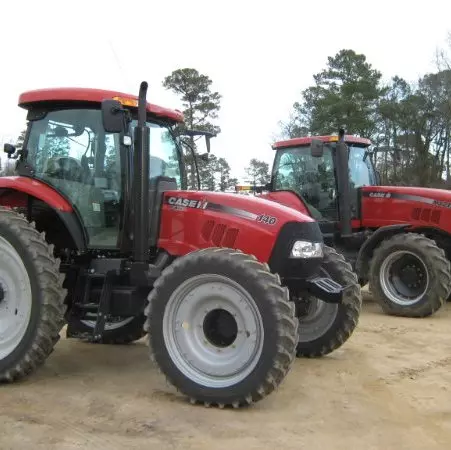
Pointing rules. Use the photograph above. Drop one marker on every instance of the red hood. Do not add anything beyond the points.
(253, 204)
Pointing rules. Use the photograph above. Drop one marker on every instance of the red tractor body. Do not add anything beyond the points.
(96, 233)
(384, 231)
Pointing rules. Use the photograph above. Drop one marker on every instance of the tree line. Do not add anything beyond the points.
(409, 123)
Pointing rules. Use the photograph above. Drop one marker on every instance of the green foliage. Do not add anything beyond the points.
(346, 92)
(413, 118)
(258, 172)
(215, 174)
(200, 108)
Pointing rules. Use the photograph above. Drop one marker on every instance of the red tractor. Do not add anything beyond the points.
(397, 238)
(95, 233)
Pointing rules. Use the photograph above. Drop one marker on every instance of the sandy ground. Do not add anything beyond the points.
(389, 387)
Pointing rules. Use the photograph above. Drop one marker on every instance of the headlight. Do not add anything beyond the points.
(306, 249)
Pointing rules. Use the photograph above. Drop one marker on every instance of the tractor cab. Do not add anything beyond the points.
(67, 148)
(312, 168)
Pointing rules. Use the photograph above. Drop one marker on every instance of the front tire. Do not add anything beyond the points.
(324, 327)
(410, 276)
(221, 327)
(32, 297)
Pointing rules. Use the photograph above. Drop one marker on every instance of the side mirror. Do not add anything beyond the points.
(112, 116)
(9, 149)
(203, 157)
(317, 148)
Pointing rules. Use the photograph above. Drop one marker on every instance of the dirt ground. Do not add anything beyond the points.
(389, 387)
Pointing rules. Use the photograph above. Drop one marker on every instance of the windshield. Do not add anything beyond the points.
(313, 178)
(296, 169)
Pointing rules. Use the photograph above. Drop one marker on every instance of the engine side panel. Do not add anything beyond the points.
(192, 220)
(420, 207)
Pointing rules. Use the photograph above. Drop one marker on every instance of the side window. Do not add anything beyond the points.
(285, 176)
(70, 150)
(164, 158)
(312, 178)
(358, 168)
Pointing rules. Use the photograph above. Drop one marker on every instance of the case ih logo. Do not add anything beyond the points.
(180, 202)
(380, 194)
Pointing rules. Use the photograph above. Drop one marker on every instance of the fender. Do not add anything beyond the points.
(48, 195)
(372, 242)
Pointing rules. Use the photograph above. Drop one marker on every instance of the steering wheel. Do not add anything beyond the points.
(65, 167)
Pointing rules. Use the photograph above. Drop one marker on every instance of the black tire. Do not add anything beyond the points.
(278, 346)
(438, 271)
(46, 320)
(126, 334)
(333, 324)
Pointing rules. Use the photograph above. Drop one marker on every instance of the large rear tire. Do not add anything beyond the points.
(32, 297)
(221, 327)
(410, 276)
(324, 327)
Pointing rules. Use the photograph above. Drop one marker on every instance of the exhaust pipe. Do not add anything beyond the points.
(141, 180)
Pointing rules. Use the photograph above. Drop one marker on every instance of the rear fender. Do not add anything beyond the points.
(15, 192)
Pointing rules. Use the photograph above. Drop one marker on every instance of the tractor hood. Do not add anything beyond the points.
(408, 193)
(418, 206)
(197, 219)
(252, 208)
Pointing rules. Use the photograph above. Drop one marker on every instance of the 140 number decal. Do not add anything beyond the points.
(269, 220)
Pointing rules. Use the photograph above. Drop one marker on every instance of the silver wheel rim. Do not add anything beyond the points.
(109, 324)
(399, 292)
(319, 318)
(15, 307)
(187, 331)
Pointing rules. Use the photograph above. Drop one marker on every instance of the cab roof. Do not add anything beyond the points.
(70, 94)
(307, 140)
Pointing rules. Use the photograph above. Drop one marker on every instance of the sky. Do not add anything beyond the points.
(260, 55)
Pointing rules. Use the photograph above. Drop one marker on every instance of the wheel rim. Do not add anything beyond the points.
(318, 318)
(213, 331)
(16, 303)
(111, 324)
(404, 277)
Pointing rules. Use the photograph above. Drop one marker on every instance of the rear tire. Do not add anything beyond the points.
(327, 326)
(237, 361)
(32, 297)
(419, 293)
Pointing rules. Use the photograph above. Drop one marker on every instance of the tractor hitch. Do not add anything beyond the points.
(326, 289)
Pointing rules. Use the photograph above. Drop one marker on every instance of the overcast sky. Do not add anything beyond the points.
(259, 54)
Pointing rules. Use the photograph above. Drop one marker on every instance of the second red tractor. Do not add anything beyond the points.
(397, 238)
